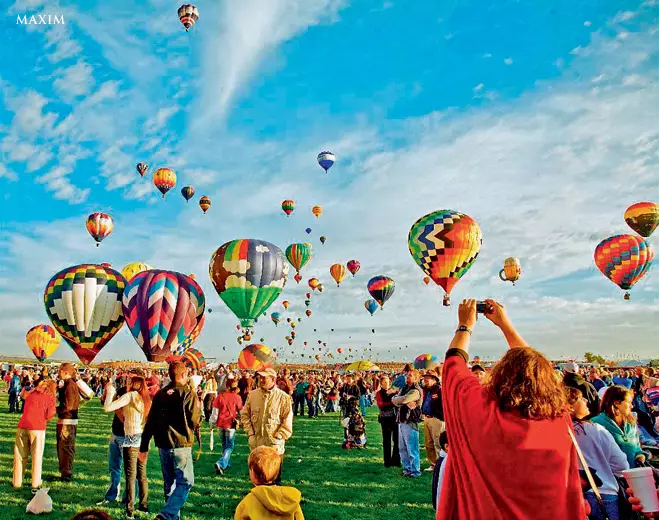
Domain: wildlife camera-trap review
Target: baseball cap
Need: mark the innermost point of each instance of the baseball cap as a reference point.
(267, 372)
(571, 367)
(431, 373)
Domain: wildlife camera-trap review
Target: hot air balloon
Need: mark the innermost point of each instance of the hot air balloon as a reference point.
(445, 244)
(317, 211)
(308, 231)
(321, 288)
(84, 304)
(512, 270)
(194, 359)
(297, 277)
(624, 259)
(339, 350)
(43, 341)
(307, 302)
(187, 192)
(308, 313)
(338, 272)
(255, 357)
(99, 226)
(134, 268)
(299, 255)
(286, 303)
(188, 14)
(204, 203)
(353, 267)
(371, 306)
(313, 283)
(275, 317)
(323, 240)
(288, 206)
(308, 296)
(248, 275)
(425, 362)
(426, 280)
(164, 179)
(643, 217)
(162, 308)
(142, 168)
(190, 340)
(326, 160)
(381, 288)
(293, 324)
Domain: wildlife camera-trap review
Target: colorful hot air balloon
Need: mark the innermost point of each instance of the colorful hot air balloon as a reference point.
(142, 168)
(353, 267)
(194, 359)
(321, 288)
(308, 313)
(286, 303)
(188, 15)
(643, 217)
(326, 160)
(323, 239)
(371, 306)
(190, 340)
(426, 280)
(317, 211)
(445, 244)
(381, 288)
(299, 255)
(134, 268)
(338, 272)
(43, 341)
(255, 357)
(297, 277)
(313, 283)
(512, 270)
(624, 259)
(162, 308)
(248, 275)
(99, 226)
(288, 206)
(187, 192)
(275, 317)
(204, 203)
(164, 179)
(84, 304)
(425, 362)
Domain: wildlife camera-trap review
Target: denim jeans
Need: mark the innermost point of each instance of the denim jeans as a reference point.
(312, 410)
(135, 470)
(610, 505)
(178, 477)
(115, 458)
(298, 401)
(363, 404)
(408, 447)
(227, 447)
(317, 404)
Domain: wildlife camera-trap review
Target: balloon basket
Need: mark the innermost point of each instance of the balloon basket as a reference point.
(627, 296)
(447, 301)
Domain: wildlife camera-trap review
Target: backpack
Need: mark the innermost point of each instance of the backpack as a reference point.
(357, 425)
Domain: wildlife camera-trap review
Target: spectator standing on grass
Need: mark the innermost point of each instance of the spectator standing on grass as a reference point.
(433, 416)
(224, 417)
(388, 424)
(299, 394)
(67, 420)
(208, 395)
(14, 386)
(408, 416)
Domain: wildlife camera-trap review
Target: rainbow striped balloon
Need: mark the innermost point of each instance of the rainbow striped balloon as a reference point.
(624, 259)
(425, 362)
(255, 357)
(381, 288)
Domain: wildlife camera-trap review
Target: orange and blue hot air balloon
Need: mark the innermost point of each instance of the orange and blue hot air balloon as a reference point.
(624, 259)
(164, 179)
(381, 288)
(643, 217)
(99, 226)
(371, 306)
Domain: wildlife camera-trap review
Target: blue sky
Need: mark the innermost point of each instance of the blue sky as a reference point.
(538, 122)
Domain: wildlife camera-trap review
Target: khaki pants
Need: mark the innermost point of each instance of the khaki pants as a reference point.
(432, 428)
(28, 442)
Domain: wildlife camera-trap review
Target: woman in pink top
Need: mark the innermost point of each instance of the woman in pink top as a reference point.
(31, 434)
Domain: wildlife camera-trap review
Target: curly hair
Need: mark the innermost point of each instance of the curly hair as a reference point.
(523, 381)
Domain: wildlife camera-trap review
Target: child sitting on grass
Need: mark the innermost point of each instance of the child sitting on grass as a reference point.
(355, 425)
(267, 501)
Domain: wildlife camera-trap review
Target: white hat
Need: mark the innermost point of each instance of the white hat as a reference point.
(571, 367)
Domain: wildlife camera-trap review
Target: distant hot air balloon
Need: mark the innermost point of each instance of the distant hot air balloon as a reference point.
(43, 341)
(307, 302)
(445, 244)
(297, 277)
(106, 264)
(317, 211)
(512, 270)
(188, 14)
(326, 160)
(426, 280)
(381, 288)
(275, 317)
(308, 296)
(308, 313)
(288, 206)
(353, 267)
(248, 275)
(299, 255)
(643, 217)
(371, 306)
(323, 240)
(99, 226)
(187, 192)
(313, 283)
(624, 259)
(164, 179)
(134, 268)
(338, 272)
(255, 357)
(84, 304)
(204, 203)
(142, 168)
(162, 308)
(308, 231)
(425, 362)
(286, 304)
(321, 288)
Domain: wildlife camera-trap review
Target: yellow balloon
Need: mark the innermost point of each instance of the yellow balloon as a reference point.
(512, 270)
(131, 270)
(43, 341)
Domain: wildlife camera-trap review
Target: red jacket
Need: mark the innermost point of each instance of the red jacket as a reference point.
(228, 405)
(502, 466)
(39, 409)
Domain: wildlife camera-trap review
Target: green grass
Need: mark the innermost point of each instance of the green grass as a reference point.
(335, 483)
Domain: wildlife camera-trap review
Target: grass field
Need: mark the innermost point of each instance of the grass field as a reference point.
(335, 484)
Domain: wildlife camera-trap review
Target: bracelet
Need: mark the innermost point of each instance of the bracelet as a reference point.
(463, 328)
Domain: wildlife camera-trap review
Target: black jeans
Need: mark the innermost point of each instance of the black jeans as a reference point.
(298, 401)
(389, 434)
(312, 409)
(133, 469)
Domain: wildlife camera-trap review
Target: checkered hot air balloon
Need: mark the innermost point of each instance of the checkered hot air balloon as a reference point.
(624, 259)
(84, 304)
(255, 357)
(99, 226)
(43, 341)
(162, 309)
(381, 288)
(643, 217)
(190, 340)
(194, 359)
(445, 244)
(425, 362)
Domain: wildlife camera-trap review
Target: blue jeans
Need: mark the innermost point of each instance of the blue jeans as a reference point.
(408, 447)
(178, 477)
(363, 403)
(115, 459)
(610, 505)
(312, 410)
(227, 447)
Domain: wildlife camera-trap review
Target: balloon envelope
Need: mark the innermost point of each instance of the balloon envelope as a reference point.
(643, 217)
(204, 203)
(338, 272)
(299, 255)
(326, 160)
(190, 340)
(188, 15)
(624, 259)
(134, 268)
(353, 267)
(255, 357)
(164, 179)
(371, 306)
(43, 341)
(425, 362)
(99, 226)
(381, 288)
(288, 206)
(187, 192)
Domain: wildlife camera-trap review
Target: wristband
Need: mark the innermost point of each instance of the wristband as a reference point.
(463, 328)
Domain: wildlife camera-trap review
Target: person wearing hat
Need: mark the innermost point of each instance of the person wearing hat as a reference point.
(479, 372)
(433, 416)
(267, 417)
(573, 379)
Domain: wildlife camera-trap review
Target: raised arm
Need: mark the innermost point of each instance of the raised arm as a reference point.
(497, 315)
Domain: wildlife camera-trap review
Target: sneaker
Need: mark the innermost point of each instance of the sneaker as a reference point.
(218, 469)
(404, 474)
(130, 515)
(105, 502)
(430, 468)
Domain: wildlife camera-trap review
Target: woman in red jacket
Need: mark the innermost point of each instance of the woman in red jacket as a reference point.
(31, 434)
(226, 406)
(511, 454)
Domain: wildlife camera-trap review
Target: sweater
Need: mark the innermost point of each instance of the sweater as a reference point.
(69, 402)
(627, 437)
(270, 503)
(39, 409)
(133, 408)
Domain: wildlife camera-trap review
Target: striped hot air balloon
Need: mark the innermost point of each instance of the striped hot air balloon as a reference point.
(338, 272)
(187, 192)
(43, 341)
(288, 206)
(381, 288)
(255, 357)
(205, 203)
(299, 255)
(164, 179)
(193, 359)
(188, 15)
(317, 211)
(99, 226)
(190, 340)
(371, 306)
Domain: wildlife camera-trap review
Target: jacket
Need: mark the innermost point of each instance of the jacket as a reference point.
(588, 391)
(432, 402)
(270, 503)
(627, 437)
(39, 409)
(404, 414)
(268, 418)
(174, 416)
(69, 402)
(132, 405)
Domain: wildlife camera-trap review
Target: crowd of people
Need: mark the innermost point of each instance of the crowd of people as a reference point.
(513, 429)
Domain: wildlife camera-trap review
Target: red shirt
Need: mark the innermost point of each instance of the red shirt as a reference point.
(39, 409)
(502, 466)
(228, 405)
(153, 384)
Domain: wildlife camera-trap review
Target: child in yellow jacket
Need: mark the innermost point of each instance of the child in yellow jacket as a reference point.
(265, 501)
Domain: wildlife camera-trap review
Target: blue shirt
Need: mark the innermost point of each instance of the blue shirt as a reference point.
(622, 381)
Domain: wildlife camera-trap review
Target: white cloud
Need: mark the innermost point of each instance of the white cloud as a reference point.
(57, 181)
(479, 87)
(6, 173)
(74, 81)
(508, 61)
(623, 16)
(587, 23)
